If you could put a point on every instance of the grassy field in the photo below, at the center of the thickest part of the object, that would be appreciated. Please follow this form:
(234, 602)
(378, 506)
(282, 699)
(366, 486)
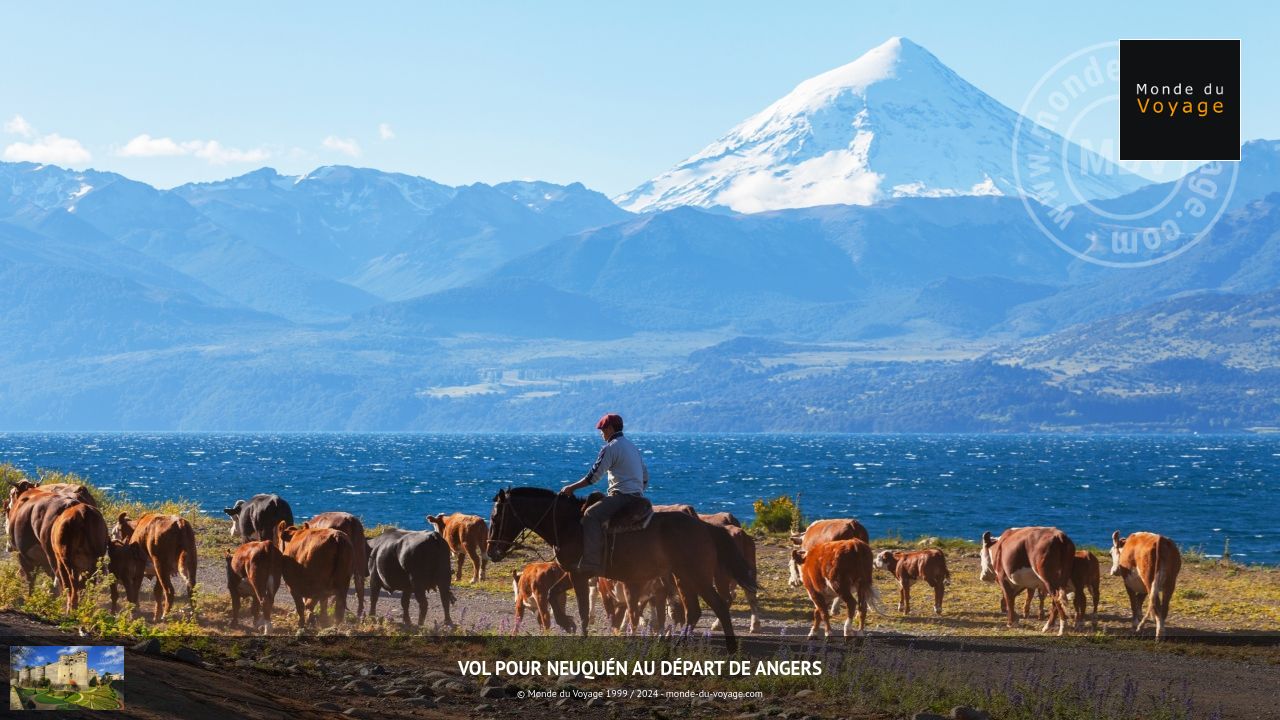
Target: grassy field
(1211, 599)
(98, 698)
(1218, 612)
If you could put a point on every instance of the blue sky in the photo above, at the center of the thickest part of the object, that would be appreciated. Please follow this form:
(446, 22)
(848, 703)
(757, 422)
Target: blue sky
(103, 658)
(607, 94)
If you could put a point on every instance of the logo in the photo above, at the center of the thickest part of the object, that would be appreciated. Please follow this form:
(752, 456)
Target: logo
(1179, 99)
(1123, 214)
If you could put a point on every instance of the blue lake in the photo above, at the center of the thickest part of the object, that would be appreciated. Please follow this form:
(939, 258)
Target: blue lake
(1199, 490)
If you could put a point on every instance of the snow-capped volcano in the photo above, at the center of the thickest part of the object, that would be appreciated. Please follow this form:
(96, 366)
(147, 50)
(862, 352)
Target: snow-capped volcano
(895, 122)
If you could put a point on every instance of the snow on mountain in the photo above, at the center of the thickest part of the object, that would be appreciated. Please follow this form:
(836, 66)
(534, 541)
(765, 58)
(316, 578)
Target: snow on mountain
(896, 122)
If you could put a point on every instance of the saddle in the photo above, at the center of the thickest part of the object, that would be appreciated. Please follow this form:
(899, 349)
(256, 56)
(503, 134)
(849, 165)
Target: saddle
(630, 520)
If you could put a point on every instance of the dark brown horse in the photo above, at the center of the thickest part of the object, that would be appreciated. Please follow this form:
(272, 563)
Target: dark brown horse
(673, 542)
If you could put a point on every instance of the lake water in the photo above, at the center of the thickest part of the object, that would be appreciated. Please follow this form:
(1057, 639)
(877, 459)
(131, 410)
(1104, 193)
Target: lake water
(1198, 490)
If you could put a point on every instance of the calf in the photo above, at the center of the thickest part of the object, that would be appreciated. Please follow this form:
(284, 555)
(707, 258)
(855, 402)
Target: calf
(1149, 564)
(466, 535)
(837, 570)
(410, 563)
(258, 518)
(1085, 575)
(351, 525)
(254, 570)
(316, 565)
(911, 567)
(624, 603)
(542, 587)
(1030, 557)
(127, 564)
(820, 531)
(169, 544)
(78, 539)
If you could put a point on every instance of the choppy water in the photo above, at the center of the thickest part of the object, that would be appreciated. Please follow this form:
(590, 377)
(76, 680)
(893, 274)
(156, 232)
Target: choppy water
(1197, 490)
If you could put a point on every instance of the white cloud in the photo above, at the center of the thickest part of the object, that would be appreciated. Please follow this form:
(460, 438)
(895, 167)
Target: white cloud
(346, 146)
(19, 126)
(212, 151)
(146, 146)
(385, 132)
(216, 154)
(51, 148)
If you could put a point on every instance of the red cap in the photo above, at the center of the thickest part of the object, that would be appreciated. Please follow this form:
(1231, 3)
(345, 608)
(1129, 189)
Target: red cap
(612, 420)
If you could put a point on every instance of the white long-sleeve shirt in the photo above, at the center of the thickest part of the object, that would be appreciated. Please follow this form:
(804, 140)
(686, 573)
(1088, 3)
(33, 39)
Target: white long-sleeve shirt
(621, 459)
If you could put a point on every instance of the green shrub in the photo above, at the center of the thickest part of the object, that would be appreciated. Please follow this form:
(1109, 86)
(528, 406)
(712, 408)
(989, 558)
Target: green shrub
(779, 515)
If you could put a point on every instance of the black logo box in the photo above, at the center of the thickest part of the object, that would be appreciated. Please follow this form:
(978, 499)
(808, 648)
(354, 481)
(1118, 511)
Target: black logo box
(1185, 67)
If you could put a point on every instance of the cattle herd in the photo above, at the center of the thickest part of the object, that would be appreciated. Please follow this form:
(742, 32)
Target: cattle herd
(58, 528)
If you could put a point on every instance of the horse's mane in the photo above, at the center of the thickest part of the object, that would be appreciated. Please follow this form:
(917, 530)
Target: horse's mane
(530, 492)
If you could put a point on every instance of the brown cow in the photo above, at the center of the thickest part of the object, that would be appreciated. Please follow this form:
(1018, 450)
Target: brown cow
(466, 535)
(316, 565)
(78, 539)
(542, 587)
(25, 491)
(685, 508)
(351, 525)
(724, 582)
(820, 531)
(723, 519)
(1084, 577)
(1030, 557)
(127, 564)
(1149, 564)
(254, 571)
(29, 524)
(837, 570)
(169, 544)
(71, 490)
(910, 567)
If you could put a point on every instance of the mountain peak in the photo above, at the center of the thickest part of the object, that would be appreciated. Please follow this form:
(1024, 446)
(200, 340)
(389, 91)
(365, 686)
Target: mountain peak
(895, 122)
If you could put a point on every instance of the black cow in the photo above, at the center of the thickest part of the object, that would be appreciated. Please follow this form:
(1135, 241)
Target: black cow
(257, 518)
(411, 563)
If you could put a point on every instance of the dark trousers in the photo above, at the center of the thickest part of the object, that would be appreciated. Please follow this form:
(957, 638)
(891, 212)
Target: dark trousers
(593, 524)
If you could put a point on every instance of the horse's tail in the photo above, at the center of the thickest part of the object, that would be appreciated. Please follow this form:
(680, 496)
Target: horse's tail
(730, 557)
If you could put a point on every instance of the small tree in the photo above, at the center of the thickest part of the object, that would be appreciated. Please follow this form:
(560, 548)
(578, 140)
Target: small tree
(93, 682)
(779, 515)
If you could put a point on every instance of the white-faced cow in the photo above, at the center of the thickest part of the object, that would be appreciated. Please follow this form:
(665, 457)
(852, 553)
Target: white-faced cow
(258, 517)
(820, 531)
(1030, 557)
(911, 567)
(1149, 564)
(839, 570)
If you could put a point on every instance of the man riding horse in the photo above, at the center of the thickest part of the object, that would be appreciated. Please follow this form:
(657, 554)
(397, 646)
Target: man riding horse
(628, 479)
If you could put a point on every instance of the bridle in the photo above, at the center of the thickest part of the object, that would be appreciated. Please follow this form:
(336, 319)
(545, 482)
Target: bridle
(496, 529)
